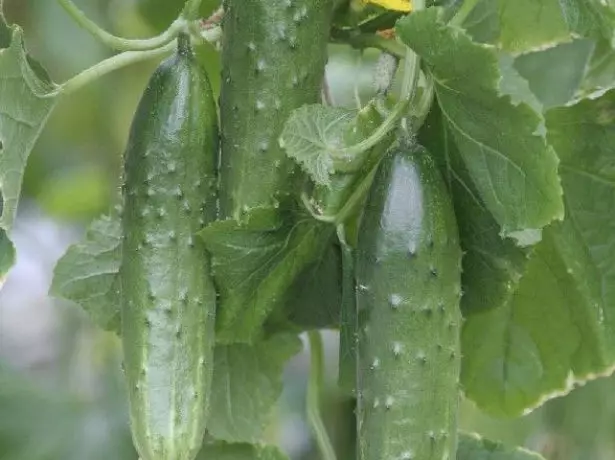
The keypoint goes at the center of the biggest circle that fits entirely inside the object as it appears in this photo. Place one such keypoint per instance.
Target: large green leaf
(246, 385)
(557, 327)
(502, 144)
(87, 273)
(473, 447)
(23, 114)
(527, 25)
(255, 266)
(583, 135)
(225, 451)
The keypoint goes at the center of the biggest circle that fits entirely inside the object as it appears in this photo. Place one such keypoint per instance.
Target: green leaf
(519, 26)
(312, 136)
(519, 354)
(22, 117)
(224, 451)
(583, 135)
(527, 25)
(254, 267)
(87, 273)
(473, 447)
(557, 328)
(246, 385)
(503, 145)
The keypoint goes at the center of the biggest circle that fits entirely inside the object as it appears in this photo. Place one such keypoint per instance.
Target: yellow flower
(395, 5)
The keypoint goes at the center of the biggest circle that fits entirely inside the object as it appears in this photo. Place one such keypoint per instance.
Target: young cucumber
(408, 288)
(274, 55)
(168, 299)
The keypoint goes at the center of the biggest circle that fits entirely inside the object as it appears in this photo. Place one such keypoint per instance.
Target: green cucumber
(167, 295)
(408, 273)
(273, 61)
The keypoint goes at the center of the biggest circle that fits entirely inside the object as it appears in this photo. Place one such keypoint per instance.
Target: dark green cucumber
(168, 298)
(274, 55)
(408, 289)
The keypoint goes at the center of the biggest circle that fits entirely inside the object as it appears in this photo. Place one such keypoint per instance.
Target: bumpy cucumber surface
(274, 55)
(168, 298)
(408, 288)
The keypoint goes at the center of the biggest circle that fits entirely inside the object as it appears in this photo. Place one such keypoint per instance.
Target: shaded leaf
(254, 267)
(247, 383)
(555, 74)
(492, 266)
(314, 299)
(473, 447)
(87, 273)
(515, 171)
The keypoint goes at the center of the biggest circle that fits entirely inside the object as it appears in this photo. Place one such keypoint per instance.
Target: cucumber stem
(313, 396)
(120, 43)
(107, 66)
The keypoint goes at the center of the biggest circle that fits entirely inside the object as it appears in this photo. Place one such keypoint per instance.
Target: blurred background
(61, 393)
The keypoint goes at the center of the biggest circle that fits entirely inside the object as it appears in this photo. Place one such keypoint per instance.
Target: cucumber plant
(230, 234)
(167, 295)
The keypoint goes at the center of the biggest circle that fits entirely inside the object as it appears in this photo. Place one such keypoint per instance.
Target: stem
(422, 107)
(356, 198)
(109, 65)
(119, 43)
(462, 14)
(313, 396)
(347, 158)
(191, 9)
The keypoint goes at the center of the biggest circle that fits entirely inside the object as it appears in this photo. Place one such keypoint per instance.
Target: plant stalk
(315, 385)
(120, 43)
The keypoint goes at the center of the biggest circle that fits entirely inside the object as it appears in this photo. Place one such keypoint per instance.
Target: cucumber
(167, 295)
(408, 272)
(273, 61)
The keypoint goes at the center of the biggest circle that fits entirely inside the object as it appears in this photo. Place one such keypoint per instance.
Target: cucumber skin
(167, 295)
(408, 290)
(273, 59)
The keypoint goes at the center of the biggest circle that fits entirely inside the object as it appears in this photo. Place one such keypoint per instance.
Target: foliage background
(61, 393)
